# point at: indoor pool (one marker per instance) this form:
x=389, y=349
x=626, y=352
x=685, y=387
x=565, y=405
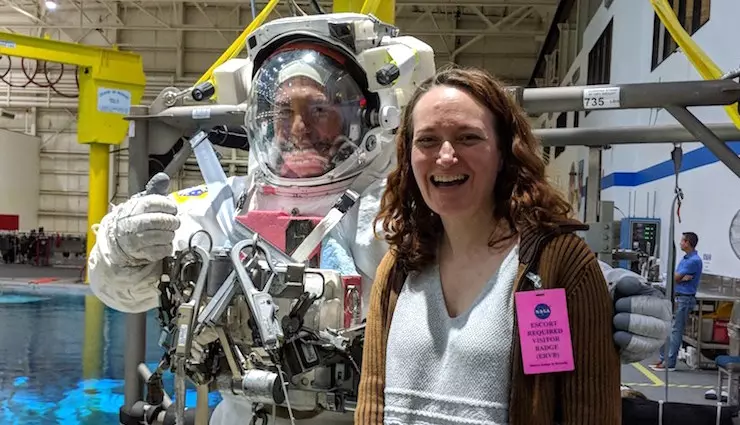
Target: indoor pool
x=53, y=371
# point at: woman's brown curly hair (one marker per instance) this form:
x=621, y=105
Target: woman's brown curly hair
x=522, y=195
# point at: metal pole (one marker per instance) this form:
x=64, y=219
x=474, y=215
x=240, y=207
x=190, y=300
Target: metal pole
x=595, y=136
x=179, y=160
x=701, y=132
x=593, y=185
x=537, y=101
x=669, y=278
x=138, y=174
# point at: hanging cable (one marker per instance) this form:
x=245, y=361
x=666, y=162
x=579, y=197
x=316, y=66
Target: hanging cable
x=297, y=8
x=43, y=70
x=677, y=156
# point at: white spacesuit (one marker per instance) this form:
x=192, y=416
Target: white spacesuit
x=317, y=127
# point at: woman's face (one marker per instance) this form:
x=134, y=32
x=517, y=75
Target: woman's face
x=454, y=155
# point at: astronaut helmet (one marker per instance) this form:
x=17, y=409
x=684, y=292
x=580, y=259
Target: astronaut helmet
x=305, y=116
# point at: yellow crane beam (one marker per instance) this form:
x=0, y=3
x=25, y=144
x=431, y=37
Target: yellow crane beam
x=385, y=10
x=698, y=58
x=110, y=82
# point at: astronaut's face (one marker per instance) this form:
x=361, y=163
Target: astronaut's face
x=308, y=128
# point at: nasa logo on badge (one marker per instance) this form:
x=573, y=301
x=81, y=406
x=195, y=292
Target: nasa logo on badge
x=542, y=311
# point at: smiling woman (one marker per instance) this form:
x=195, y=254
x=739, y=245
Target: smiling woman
x=487, y=308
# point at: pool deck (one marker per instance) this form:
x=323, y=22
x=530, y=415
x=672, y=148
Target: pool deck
x=49, y=280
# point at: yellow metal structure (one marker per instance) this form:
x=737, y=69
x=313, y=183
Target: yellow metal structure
x=700, y=60
x=238, y=45
x=385, y=10
x=92, y=347
x=110, y=82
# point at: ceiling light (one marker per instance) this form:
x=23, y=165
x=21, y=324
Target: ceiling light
x=51, y=4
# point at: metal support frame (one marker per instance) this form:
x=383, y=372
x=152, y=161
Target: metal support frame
x=630, y=135
x=710, y=140
x=675, y=97
x=138, y=174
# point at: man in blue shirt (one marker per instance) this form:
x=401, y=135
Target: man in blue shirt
x=685, y=283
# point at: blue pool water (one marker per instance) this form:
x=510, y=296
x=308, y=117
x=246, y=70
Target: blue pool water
x=51, y=373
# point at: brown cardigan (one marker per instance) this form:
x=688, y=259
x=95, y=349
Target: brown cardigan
x=589, y=395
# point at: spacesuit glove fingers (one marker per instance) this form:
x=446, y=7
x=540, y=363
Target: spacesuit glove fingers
x=645, y=305
x=635, y=348
x=145, y=290
x=646, y=326
x=141, y=239
x=630, y=285
x=152, y=253
x=148, y=204
x=136, y=243
x=146, y=221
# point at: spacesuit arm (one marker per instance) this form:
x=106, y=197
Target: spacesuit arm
x=335, y=249
x=642, y=314
x=129, y=289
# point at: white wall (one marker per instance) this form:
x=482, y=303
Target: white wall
x=709, y=187
x=19, y=178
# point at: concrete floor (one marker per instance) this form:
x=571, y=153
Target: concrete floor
x=27, y=273
x=684, y=385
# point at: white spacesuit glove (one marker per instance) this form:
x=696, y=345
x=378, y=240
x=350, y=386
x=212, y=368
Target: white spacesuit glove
x=642, y=314
x=141, y=230
x=130, y=240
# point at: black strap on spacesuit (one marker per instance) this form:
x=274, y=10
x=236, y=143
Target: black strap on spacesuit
x=317, y=235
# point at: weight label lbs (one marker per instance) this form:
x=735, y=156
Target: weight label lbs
x=114, y=101
x=601, y=98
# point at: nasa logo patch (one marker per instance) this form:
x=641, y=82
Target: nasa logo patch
x=197, y=191
x=189, y=194
x=542, y=311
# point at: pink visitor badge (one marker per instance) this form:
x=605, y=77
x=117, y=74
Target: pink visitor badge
x=544, y=331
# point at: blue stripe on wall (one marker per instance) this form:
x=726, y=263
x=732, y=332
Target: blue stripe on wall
x=691, y=160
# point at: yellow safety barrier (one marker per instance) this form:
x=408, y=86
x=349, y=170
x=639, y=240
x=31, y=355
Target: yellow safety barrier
x=238, y=45
x=703, y=64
